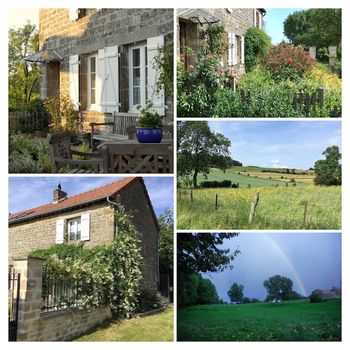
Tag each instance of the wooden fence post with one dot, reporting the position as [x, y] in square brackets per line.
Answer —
[253, 207]
[216, 201]
[191, 196]
[305, 212]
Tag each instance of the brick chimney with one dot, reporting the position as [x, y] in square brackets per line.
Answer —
[58, 194]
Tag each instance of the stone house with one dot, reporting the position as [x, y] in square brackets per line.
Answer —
[236, 21]
[89, 217]
[103, 59]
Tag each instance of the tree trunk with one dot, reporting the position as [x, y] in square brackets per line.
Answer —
[194, 179]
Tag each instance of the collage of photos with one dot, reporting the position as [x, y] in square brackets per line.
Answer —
[175, 175]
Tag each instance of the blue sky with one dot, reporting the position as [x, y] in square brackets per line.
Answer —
[311, 260]
[30, 192]
[274, 19]
[292, 144]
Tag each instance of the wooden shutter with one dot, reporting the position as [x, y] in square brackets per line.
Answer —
[60, 231]
[242, 49]
[85, 227]
[107, 84]
[233, 48]
[229, 60]
[73, 14]
[74, 80]
[158, 99]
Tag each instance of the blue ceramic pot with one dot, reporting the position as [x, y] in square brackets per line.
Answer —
[146, 135]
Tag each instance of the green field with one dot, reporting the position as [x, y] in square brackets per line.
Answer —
[278, 208]
[257, 177]
[157, 327]
[287, 321]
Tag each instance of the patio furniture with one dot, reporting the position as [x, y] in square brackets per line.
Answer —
[61, 156]
[120, 122]
[132, 157]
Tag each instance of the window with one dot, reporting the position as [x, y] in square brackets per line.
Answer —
[74, 229]
[137, 76]
[92, 81]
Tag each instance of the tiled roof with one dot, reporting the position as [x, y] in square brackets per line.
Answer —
[77, 200]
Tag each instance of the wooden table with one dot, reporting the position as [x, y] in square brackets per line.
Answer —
[130, 156]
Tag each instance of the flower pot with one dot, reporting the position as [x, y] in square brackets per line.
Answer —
[147, 135]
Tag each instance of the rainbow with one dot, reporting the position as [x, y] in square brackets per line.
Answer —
[285, 257]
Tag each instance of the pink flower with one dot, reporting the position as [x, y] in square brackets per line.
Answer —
[290, 61]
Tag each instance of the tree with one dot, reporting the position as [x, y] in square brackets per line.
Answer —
[201, 252]
[23, 76]
[328, 171]
[194, 289]
[236, 292]
[206, 292]
[314, 27]
[278, 287]
[199, 148]
[257, 44]
[166, 241]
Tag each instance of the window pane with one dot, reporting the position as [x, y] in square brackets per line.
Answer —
[136, 57]
[93, 64]
[136, 77]
[92, 97]
[136, 96]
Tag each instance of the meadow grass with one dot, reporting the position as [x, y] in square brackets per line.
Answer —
[286, 321]
[256, 177]
[278, 208]
[158, 327]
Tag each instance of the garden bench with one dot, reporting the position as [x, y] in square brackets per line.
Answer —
[61, 156]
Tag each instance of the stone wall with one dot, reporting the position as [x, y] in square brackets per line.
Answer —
[41, 233]
[238, 21]
[98, 29]
[136, 205]
[33, 325]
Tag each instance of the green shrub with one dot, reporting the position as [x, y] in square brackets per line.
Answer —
[148, 300]
[28, 155]
[257, 44]
[216, 184]
[316, 296]
[287, 62]
[38, 115]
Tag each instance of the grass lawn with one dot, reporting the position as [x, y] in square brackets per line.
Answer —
[157, 327]
[278, 208]
[287, 321]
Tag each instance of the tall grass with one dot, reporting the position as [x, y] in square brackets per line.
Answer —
[278, 208]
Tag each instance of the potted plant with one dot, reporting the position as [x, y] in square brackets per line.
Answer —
[149, 125]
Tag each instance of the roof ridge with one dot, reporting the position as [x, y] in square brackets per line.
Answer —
[126, 179]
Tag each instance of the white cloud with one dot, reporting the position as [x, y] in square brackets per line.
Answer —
[277, 164]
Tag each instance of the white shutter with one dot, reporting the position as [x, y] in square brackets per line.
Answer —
[107, 84]
[233, 48]
[260, 20]
[242, 49]
[85, 227]
[152, 51]
[254, 20]
[60, 231]
[74, 80]
[73, 14]
[229, 61]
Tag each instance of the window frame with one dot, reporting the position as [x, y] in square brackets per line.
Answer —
[77, 233]
[143, 76]
[90, 105]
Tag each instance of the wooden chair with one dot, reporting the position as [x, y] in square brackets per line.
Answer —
[61, 156]
[137, 158]
[120, 122]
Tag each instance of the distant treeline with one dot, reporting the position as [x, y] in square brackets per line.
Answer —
[218, 184]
